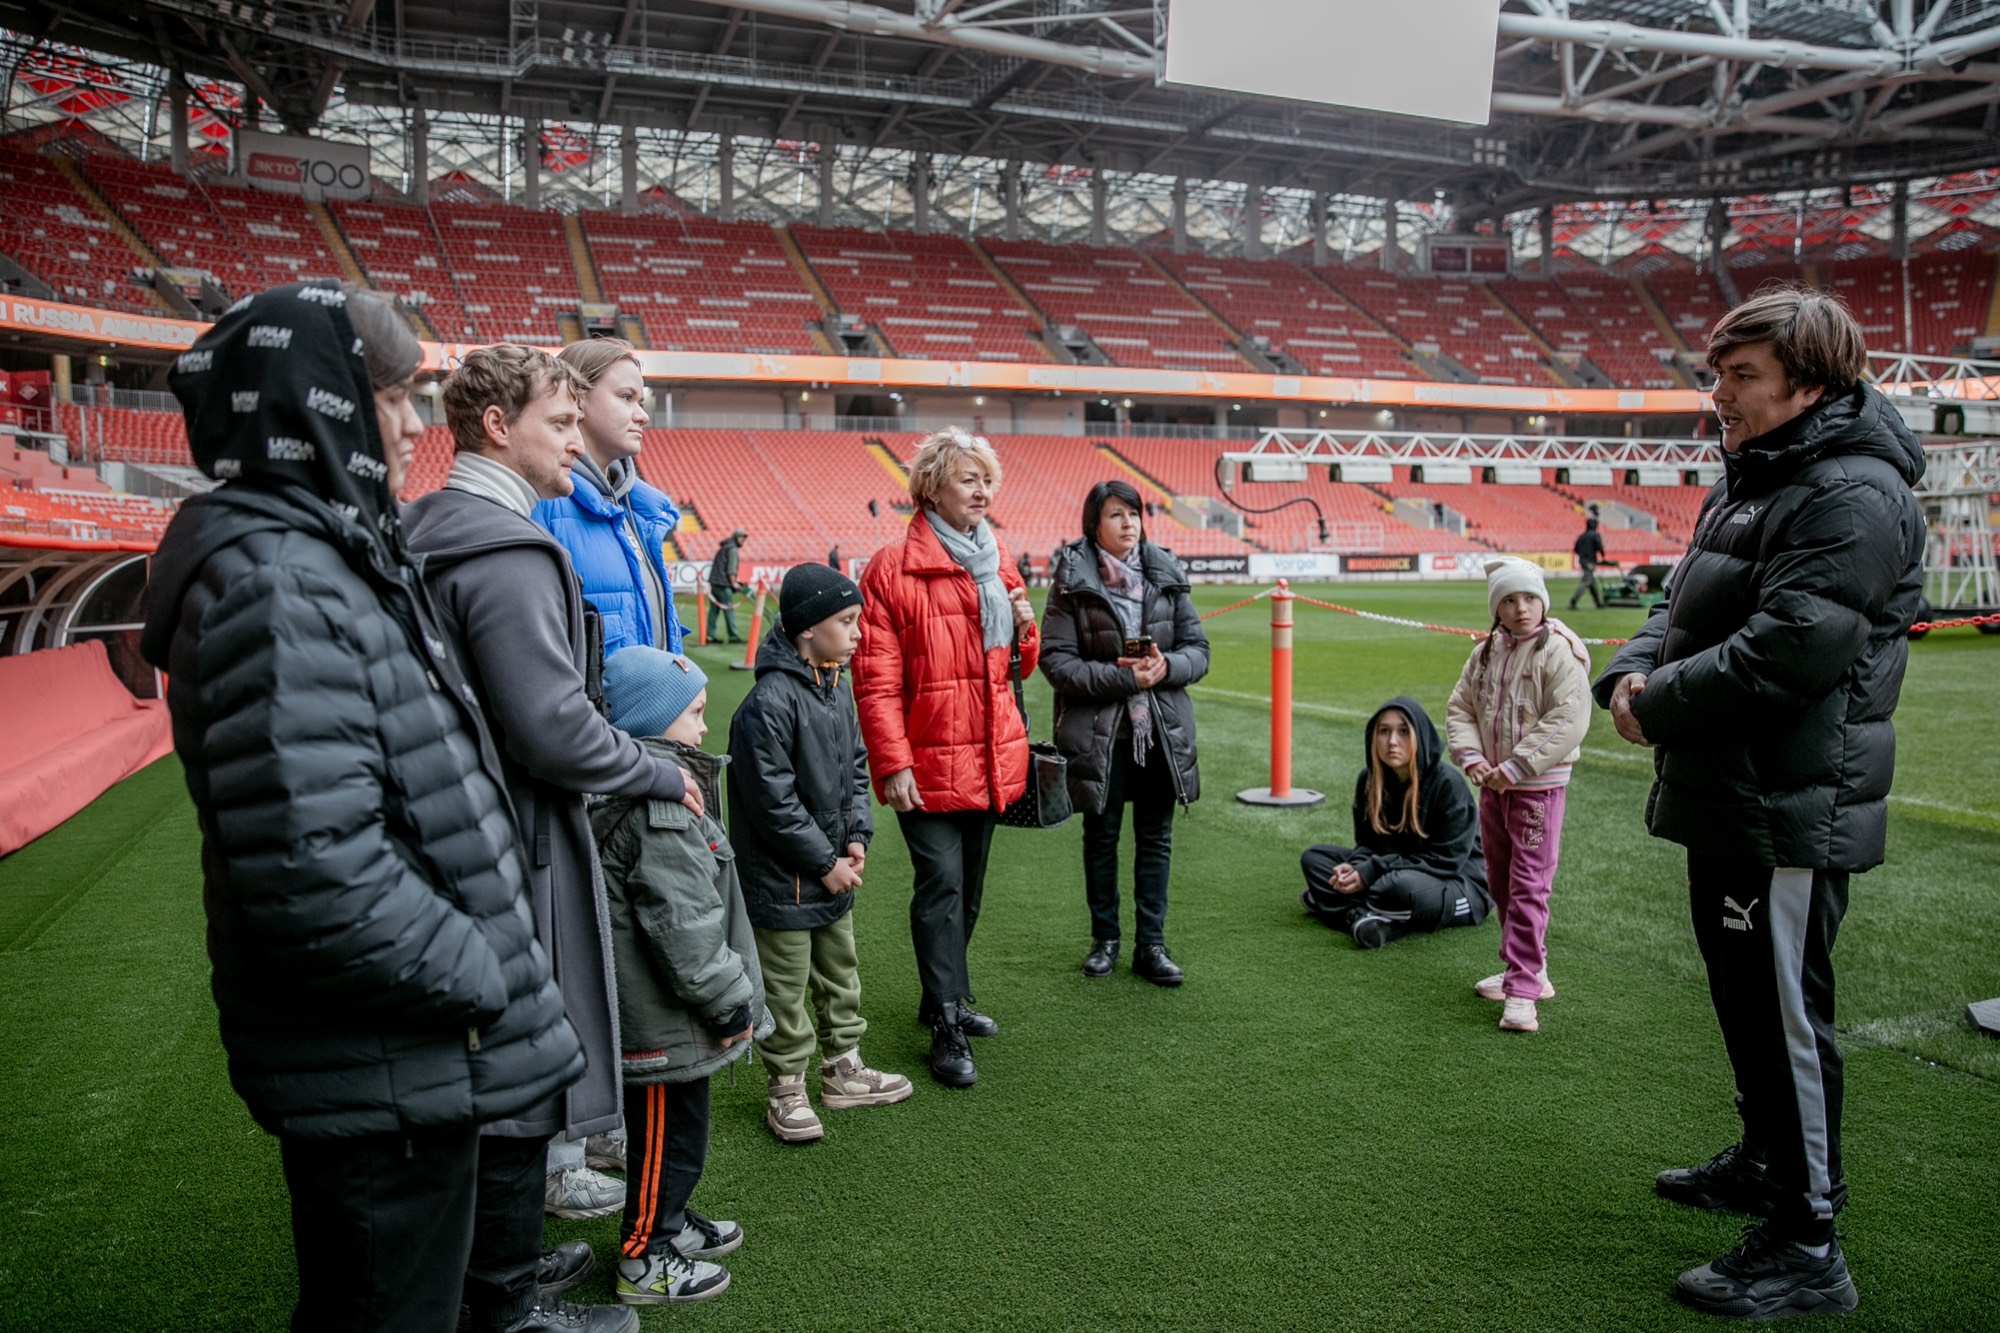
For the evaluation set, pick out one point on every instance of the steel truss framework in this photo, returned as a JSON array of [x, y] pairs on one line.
[[1960, 481], [1416, 448], [1630, 99]]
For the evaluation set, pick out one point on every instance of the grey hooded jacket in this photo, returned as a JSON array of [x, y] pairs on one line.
[[511, 605]]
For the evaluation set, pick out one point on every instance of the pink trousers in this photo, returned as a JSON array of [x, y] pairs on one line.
[[1521, 832]]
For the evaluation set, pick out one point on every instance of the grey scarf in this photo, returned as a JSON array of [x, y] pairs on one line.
[[979, 555], [483, 477], [1125, 583]]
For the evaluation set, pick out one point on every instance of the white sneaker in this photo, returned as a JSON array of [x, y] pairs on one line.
[[845, 1082], [1488, 988], [668, 1279], [581, 1192], [704, 1238], [1519, 1015], [605, 1152], [791, 1115]]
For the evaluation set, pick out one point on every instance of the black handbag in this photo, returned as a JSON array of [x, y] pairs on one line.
[[1045, 804]]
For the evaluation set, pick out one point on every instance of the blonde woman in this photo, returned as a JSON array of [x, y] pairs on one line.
[[947, 747]]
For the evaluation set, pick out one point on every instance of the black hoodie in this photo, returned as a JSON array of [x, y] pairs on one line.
[[798, 788], [1449, 847], [374, 963], [1775, 664]]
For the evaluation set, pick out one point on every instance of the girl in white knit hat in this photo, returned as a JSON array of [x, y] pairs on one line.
[[1515, 724]]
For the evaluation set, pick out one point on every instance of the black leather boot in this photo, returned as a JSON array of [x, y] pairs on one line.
[[951, 1053], [1103, 957], [1150, 961], [970, 1021]]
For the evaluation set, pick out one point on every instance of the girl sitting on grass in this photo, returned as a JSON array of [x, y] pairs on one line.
[[1516, 720], [1415, 863]]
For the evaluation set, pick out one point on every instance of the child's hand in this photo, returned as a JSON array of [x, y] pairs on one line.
[[1345, 879], [1476, 772], [745, 1035], [1495, 779], [858, 854], [845, 877], [691, 798]]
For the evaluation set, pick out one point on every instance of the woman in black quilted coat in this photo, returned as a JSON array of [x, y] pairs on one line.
[[1123, 721], [375, 969]]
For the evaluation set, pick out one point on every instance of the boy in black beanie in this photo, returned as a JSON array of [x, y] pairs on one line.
[[800, 817]]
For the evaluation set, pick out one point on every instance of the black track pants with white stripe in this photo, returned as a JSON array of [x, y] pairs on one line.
[[1767, 936]]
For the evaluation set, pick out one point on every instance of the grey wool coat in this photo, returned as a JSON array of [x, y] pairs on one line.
[[509, 598]]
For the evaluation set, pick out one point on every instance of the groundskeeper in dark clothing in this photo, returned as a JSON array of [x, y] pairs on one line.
[[375, 965], [511, 604], [724, 583], [1771, 673], [1589, 549]]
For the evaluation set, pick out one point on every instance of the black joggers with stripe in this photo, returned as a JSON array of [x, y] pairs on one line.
[[1767, 936], [666, 1147]]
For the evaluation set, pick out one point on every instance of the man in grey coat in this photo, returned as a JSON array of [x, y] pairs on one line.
[[507, 593]]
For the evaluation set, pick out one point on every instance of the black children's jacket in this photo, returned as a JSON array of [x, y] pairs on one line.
[[1449, 848], [798, 788]]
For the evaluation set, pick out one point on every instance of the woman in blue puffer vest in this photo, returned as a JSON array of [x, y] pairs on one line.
[[614, 525]]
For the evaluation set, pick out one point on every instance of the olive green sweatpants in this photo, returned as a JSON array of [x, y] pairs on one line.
[[823, 963]]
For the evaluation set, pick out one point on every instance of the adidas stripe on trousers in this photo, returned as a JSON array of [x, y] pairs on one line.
[[1767, 937]]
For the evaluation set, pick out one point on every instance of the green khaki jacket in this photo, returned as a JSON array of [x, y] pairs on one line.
[[685, 956]]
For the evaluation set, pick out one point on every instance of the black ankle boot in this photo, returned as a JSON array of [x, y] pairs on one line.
[[970, 1021], [1103, 957], [1151, 963], [951, 1053]]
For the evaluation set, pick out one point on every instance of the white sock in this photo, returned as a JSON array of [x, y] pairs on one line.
[[1816, 1251]]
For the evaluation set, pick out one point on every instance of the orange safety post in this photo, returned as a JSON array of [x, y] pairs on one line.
[[1281, 792], [700, 616], [749, 662]]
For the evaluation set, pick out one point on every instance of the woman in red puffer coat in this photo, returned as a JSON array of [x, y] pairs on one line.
[[946, 742]]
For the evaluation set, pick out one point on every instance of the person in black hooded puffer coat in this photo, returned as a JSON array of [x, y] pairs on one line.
[[374, 963], [1124, 724], [1416, 863], [1766, 683]]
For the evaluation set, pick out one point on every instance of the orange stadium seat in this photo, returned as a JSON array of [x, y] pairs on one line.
[[1301, 315], [1455, 316], [929, 294], [397, 248], [58, 235], [697, 285], [1134, 314], [1597, 316]]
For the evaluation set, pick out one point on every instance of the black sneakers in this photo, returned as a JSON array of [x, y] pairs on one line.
[[1372, 932], [563, 1270], [1733, 1180], [970, 1021], [1769, 1278]]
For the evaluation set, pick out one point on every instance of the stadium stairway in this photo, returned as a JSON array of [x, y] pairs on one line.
[[808, 275], [580, 258], [350, 267], [1013, 289], [1174, 282], [1571, 378]]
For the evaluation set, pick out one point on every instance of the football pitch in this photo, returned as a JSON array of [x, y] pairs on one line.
[[1303, 1136]]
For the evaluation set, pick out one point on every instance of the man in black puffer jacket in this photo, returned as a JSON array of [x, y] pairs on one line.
[[375, 969], [1766, 682]]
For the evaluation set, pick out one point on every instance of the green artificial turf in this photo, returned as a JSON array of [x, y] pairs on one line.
[[1304, 1136]]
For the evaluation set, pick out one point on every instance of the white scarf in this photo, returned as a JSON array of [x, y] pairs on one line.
[[493, 481]]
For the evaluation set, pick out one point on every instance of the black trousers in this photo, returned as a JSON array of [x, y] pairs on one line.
[[381, 1226], [1767, 936], [1149, 790], [948, 853], [1421, 901], [506, 1230], [666, 1138]]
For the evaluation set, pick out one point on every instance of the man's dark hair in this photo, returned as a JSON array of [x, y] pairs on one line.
[[1102, 494], [1813, 336]]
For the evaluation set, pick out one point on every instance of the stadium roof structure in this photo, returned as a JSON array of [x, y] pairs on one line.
[[1594, 100]]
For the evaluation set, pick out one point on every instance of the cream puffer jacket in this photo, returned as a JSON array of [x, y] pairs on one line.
[[1526, 711]]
